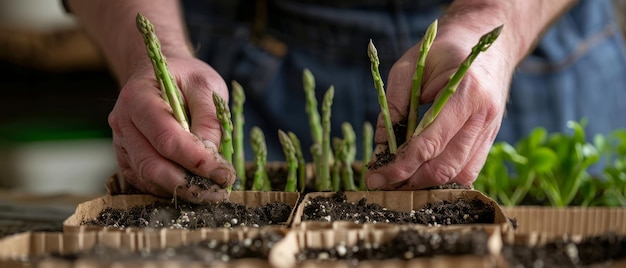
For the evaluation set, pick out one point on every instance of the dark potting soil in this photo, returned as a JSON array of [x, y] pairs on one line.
[[567, 253], [336, 208], [190, 216], [206, 251], [406, 245]]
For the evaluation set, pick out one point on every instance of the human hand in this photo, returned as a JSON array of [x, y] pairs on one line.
[[154, 153], [454, 147]]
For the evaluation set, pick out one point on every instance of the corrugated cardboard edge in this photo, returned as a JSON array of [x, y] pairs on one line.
[[91, 209], [569, 220], [283, 255], [20, 247], [409, 200]]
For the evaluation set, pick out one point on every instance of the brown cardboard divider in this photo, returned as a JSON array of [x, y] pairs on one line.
[[584, 221], [18, 249], [283, 255], [409, 200], [91, 209]]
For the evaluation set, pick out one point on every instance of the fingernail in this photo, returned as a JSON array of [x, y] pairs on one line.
[[376, 181], [221, 176]]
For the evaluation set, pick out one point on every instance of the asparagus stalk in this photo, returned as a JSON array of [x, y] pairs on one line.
[[382, 99], [292, 161], [316, 153], [223, 116], [169, 89], [239, 161], [259, 148], [483, 44], [368, 141], [336, 167], [416, 87], [308, 81], [324, 175], [347, 157], [301, 161]]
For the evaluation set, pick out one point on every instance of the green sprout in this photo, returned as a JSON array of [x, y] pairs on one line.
[[292, 161], [368, 137], [223, 116], [324, 166], [483, 44], [169, 89], [416, 87], [348, 154], [301, 161], [238, 120], [382, 98], [259, 148]]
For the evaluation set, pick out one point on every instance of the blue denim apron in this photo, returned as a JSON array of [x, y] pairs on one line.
[[578, 69]]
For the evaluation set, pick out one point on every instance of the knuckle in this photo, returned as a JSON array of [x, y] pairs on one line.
[[444, 173], [427, 148], [148, 169], [165, 142]]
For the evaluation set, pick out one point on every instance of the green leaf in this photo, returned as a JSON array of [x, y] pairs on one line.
[[543, 160]]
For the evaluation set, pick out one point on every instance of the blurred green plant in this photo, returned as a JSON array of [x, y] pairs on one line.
[[553, 169]]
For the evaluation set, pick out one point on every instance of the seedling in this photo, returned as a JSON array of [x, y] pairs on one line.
[[292, 161], [169, 89], [239, 160]]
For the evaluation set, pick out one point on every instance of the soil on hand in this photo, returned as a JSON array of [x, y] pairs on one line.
[[190, 216], [336, 208], [386, 157], [565, 252], [206, 251], [406, 245]]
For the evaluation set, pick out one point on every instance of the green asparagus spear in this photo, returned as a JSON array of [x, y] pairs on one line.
[[416, 90], [169, 89], [368, 141], [292, 161], [259, 147], [382, 98], [308, 81], [324, 175], [223, 116], [239, 161], [336, 167], [483, 44], [316, 153], [348, 156], [301, 161]]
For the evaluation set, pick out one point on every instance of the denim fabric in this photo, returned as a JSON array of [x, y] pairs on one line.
[[578, 69]]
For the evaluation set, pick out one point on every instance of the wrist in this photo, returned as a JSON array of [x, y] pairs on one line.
[[524, 21]]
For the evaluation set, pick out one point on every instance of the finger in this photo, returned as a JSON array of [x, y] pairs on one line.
[[198, 90], [448, 165], [153, 118], [149, 172], [143, 167], [476, 161], [428, 145]]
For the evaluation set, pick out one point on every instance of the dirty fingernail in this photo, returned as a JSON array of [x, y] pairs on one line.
[[376, 181], [221, 176]]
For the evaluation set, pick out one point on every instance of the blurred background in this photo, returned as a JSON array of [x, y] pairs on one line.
[[56, 96]]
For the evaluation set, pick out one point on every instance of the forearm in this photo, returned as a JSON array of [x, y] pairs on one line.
[[111, 23], [524, 20]]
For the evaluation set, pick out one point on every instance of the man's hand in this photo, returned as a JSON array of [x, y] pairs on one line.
[[153, 151], [454, 147]]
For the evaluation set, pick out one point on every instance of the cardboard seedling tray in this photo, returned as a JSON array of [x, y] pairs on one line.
[[568, 220], [409, 201], [23, 248], [91, 209], [330, 235]]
